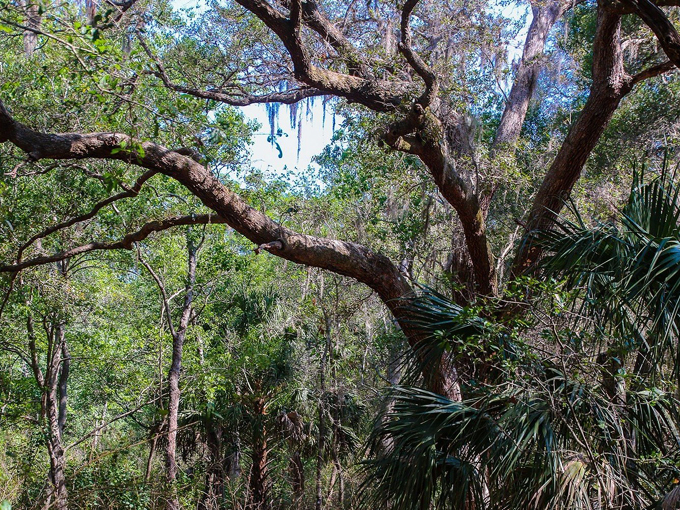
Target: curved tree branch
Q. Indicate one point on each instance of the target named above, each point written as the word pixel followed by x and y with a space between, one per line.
pixel 286 97
pixel 610 85
pixel 653 71
pixel 662 27
pixel 421 134
pixel 128 193
pixel 378 95
pixel 344 258
pixel 414 60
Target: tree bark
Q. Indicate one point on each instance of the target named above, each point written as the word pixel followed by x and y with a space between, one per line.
pixel 297 474
pixel 55 450
pixel 174 393
pixel 33 21
pixel 233 461
pixel 258 484
pixel 50 405
pixel 63 386
pixel 610 84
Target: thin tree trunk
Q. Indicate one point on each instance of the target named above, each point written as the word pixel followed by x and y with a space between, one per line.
pixel 56 452
pixel 98 434
pixel 178 338
pixel 215 472
pixel 63 386
pixel 233 461
pixel 55 448
pixel 173 411
pixel 297 474
pixel 321 443
pixel 258 483
pixel 33 21
pixel 149 459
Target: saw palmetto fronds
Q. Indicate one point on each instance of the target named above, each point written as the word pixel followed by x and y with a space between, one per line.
pixel 554 443
pixel 628 272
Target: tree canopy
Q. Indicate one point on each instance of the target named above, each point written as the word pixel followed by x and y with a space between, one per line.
pixel 160 292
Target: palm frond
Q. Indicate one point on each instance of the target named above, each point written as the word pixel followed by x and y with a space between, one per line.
pixel 629 273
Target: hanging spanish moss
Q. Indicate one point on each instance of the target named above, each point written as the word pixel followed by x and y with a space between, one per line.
pixel 293 109
pixel 273 116
pixel 299 138
pixel 309 110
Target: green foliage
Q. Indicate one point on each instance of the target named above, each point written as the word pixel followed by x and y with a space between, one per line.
pixel 551 442
pixel 629 272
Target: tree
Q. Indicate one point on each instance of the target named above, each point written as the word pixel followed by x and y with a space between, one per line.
pixel 569 418
pixel 178 334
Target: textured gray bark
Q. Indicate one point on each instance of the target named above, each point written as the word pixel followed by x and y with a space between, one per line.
pixel 48 382
pixel 32 22
pixel 178 338
pixel 63 386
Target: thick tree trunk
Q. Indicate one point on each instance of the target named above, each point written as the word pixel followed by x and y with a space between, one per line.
pixel 610 84
pixel 544 17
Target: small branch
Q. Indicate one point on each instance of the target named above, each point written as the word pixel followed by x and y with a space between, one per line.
pixel 286 97
pixel 112 420
pixel 164 295
pixel 128 193
pixel 653 71
pixel 319 23
pixel 378 95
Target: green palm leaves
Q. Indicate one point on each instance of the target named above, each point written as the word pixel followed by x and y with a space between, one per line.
pixel 628 274
pixel 584 425
pixel 555 443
